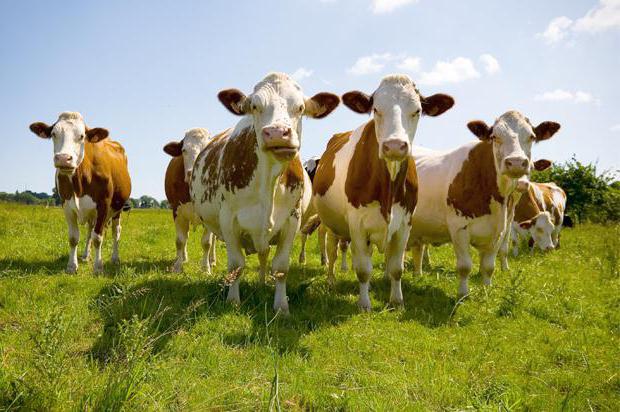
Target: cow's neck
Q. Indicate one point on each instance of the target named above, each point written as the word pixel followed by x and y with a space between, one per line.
pixel 70 186
pixel 268 172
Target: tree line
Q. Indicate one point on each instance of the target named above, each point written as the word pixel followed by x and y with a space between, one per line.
pixel 29 197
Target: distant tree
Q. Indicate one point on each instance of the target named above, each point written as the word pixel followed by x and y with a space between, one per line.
pixel 164 204
pixel 56 197
pixel 148 202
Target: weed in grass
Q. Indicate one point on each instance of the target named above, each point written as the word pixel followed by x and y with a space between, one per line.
pixel 512 295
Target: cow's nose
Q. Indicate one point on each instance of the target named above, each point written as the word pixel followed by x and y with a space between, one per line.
pixel 516 163
pixel 63 160
pixel 548 248
pixel 276 132
pixel 395 149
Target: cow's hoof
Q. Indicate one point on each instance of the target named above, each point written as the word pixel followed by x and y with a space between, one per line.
pixel 331 282
pixel 98 268
pixel 397 304
pixel 84 258
pixel 282 309
pixel 71 270
pixel 235 301
pixel 364 306
pixel 115 260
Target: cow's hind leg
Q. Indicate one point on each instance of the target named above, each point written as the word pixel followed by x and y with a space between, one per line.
pixel 302 252
pixel 487 265
pixel 116 237
pixel 102 213
pixel 361 257
pixel 262 265
pixel 417 254
pixel 235 257
pixel 213 250
pixel 74 238
pixel 331 246
pixel 460 241
pixel 207 245
pixel 344 246
pixel 181 225
pixel 89 241
pixel 322 235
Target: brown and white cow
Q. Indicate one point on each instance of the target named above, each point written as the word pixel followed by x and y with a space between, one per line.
pixel 178 176
pixel 365 189
pixel 464 194
pixel 248 183
pixel 91 178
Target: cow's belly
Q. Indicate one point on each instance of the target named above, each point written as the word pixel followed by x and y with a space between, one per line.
pixel 85 209
pixel 332 209
pixel 369 223
pixel 429 221
pixel 186 210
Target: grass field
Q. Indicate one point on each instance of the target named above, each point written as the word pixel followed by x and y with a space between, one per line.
pixel 544 337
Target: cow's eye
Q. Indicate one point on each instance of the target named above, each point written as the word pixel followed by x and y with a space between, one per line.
pixel 376 112
pixel 417 112
pixel 301 108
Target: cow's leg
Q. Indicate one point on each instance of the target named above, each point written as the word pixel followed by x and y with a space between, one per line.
pixel 460 241
pixel 302 252
pixel 89 241
pixel 181 223
pixel 102 215
pixel 234 254
pixel 417 252
pixel 426 257
pixel 207 245
pixel 487 265
pixel 332 255
pixel 213 250
pixel 74 238
pixel 322 235
pixel 263 258
pixel 504 247
pixel 280 263
pixel 394 264
pixel 361 258
pixel 116 237
pixel 555 236
pixel 514 237
pixel 344 246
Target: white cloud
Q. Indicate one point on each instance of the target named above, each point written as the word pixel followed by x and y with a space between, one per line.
pixel 410 64
pixel 370 64
pixel 558 95
pixel 454 71
pixel 387 6
pixel 604 16
pixel 490 63
pixel 301 73
pixel 556 30
pixel 615 128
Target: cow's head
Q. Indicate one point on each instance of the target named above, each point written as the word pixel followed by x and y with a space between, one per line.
pixel 69 134
pixel 396 107
pixel 540 227
pixel 193 143
pixel 276 107
pixel 512 136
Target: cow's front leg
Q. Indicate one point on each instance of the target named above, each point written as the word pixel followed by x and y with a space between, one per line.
pixel 487 265
pixel 102 215
pixel 281 261
pixel 89 241
pixel 417 254
pixel 394 264
pixel 181 225
pixel 74 238
pixel 361 257
pixel 460 242
pixel 344 247
pixel 116 237
pixel 213 250
pixel 234 254
pixel 515 240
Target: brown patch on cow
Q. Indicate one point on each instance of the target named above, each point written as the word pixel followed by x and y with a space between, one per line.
pixel 528 206
pixel 475 185
pixel 210 170
pixel 326 171
pixel 102 175
pixel 239 160
pixel 177 191
pixel 293 175
pixel 556 210
pixel 368 179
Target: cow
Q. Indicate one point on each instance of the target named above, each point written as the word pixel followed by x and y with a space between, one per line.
pixel 539 216
pixel 314 223
pixel 247 185
pixel 178 176
pixel 92 180
pixel 465 193
pixel 365 189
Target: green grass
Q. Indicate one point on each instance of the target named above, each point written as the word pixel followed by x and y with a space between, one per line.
pixel 544 337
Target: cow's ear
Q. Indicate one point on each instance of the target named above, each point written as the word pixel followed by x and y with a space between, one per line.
pixel 542 164
pixel 234 100
pixel 436 104
pixel 357 101
pixel 96 134
pixel 41 129
pixel 321 104
pixel 526 225
pixel 174 149
pixel 546 130
pixel 480 129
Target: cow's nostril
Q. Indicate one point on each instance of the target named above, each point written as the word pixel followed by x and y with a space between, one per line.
pixel 287 132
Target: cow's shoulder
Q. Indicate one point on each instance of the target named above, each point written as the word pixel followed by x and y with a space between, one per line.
pixel 207 164
pixel 239 159
pixel 326 171
pixel 475 185
pixel 293 175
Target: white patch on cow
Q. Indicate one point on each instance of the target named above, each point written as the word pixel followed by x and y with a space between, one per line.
pixel 68 136
pixel 194 141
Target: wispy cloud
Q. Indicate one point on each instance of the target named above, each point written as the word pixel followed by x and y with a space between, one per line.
pixel 559 95
pixel 451 71
pixel 490 63
pixel 615 128
pixel 301 73
pixel 604 16
pixel 410 64
pixel 370 64
pixel 387 6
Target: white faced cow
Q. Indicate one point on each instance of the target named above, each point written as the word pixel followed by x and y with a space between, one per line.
pixel 248 183
pixel 365 188
pixel 464 193
pixel 178 177
pixel 91 178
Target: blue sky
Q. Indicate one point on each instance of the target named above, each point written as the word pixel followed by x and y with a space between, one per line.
pixel 149 70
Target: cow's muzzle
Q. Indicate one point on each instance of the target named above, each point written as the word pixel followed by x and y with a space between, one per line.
pixel 64 163
pixel 516 167
pixel 395 149
pixel 278 141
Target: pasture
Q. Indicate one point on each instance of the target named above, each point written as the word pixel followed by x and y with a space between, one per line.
pixel 544 337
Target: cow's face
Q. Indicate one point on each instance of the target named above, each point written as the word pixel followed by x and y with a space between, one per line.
pixel 69 135
pixel 512 136
pixel 396 107
pixel 277 106
pixel 193 143
pixel 540 227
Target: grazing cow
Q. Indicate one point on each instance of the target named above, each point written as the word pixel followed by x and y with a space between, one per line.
pixel 248 183
pixel 178 176
pixel 314 223
pixel 365 189
pixel 465 193
pixel 91 178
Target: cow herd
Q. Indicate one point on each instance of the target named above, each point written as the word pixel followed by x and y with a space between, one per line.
pixel 370 189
